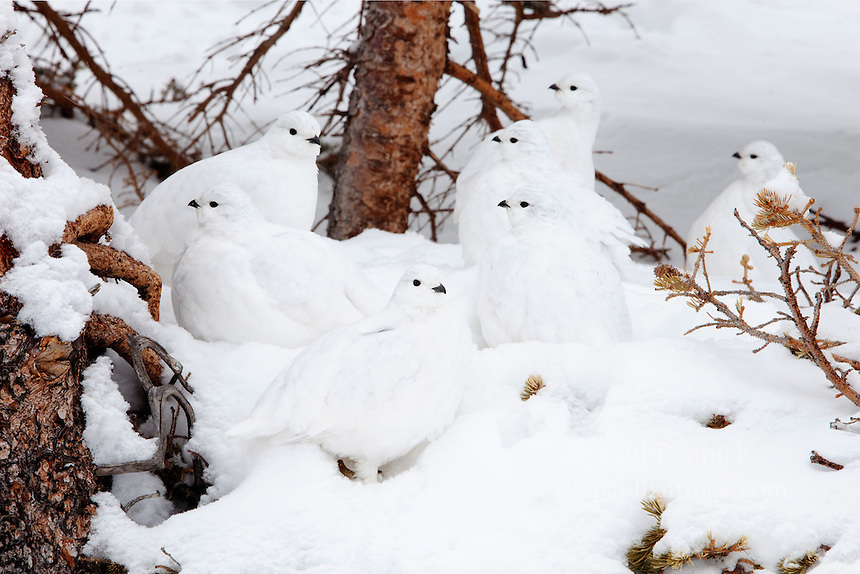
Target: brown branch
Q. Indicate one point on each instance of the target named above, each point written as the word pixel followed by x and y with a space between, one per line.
pixel 110 263
pixel 519 18
pixel 825 249
pixel 479 56
pixel 10 148
pixel 90 226
pixel 816 458
pixel 430 213
pixel 544 10
pixel 7 254
pixel 259 52
pixel 106 332
pixel 498 99
pixel 170 151
pixel 807 333
pixel 838 225
pixel 640 207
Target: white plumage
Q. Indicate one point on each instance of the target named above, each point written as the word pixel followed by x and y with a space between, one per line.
pixel 517 156
pixel 572 128
pixel 543 282
pixel 242 278
pixel 762 166
pixel 373 390
pixel 278 172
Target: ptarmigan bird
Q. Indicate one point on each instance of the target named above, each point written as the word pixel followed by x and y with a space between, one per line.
pixel 278 171
pixel 242 278
pixel 517 156
pixel 373 390
pixel 543 282
pixel 760 162
pixel 572 128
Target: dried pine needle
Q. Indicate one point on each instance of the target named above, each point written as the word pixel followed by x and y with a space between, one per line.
pixel 532 386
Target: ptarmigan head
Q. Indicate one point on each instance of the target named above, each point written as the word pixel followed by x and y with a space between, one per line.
pixel 297 134
pixel 223 205
pixel 577 91
pixel 531 203
pixel 759 161
pixel 521 141
pixel 420 288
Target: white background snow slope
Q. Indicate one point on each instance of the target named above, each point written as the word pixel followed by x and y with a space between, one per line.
pixel 552 485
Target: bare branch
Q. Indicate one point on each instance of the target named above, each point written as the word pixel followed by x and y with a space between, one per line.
pixel 479 56
pixel 488 93
pixel 107 262
pixel 641 207
pixel 168 148
pixel 226 92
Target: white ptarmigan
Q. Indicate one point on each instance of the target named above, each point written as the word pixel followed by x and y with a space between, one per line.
pixel 373 390
pixel 761 164
pixel 242 278
pixel 277 171
pixel 517 156
pixel 572 128
pixel 543 282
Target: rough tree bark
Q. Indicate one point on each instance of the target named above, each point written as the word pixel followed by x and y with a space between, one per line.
pixel 399 61
pixel 47 475
pixel 46 472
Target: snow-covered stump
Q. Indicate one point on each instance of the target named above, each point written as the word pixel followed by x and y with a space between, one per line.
pixel 54 250
pixel 47 473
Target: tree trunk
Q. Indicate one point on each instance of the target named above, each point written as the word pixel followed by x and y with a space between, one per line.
pixel 46 471
pixel 399 61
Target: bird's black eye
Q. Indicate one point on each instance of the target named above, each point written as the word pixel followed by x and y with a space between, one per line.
pixel 573 88
pixel 524 204
pixel 753 156
pixel 514 140
pixel 293 131
pixel 213 204
pixel 416 282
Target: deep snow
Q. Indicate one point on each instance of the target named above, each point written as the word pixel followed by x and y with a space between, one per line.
pixel 553 484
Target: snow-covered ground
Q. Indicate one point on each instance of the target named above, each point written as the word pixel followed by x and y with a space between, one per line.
pixel 553 484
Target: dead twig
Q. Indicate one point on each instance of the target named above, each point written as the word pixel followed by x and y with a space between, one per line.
pixel 816 458
pixel 479 56
pixel 224 90
pixel 167 148
pixel 158 395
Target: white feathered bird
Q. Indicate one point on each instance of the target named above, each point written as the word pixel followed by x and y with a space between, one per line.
pixel 373 390
pixel 761 164
pixel 517 156
pixel 242 278
pixel 278 172
pixel 543 282
pixel 572 128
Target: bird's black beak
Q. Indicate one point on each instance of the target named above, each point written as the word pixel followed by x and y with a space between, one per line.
pixel 504 203
pixel 497 139
pixel 440 289
pixel 193 203
pixel 737 155
pixel 316 140
pixel 554 87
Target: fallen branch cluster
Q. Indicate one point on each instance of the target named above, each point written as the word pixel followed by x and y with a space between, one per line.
pixel 835 262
